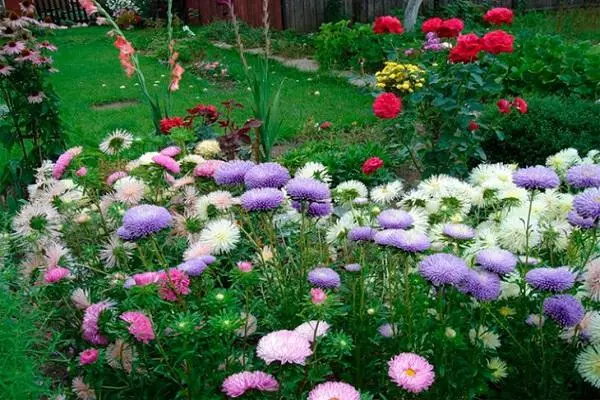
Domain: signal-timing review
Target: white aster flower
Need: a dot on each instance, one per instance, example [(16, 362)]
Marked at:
[(116, 142), (386, 194), (350, 190), (116, 252), (588, 365), (192, 159), (488, 338), (563, 160), (208, 148), (314, 170), (130, 190), (498, 369), (311, 329), (222, 200), (221, 235), (38, 218)]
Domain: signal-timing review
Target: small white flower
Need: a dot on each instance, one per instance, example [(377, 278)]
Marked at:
[(220, 235)]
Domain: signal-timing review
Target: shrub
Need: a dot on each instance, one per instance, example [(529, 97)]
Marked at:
[(552, 123)]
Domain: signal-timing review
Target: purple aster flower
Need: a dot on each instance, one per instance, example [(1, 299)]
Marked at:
[(207, 259), (361, 233), (307, 189), (584, 176), (481, 284), (496, 260), (565, 309), (409, 241), (443, 269), (587, 204), (536, 178), (144, 220), (314, 209), (352, 267), (263, 199), (551, 279), (577, 220), (395, 219), (193, 267), (270, 175), (232, 172), (324, 277), (459, 231)]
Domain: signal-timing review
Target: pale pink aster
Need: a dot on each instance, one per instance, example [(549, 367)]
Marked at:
[(6, 70), (167, 163), (591, 278), (88, 356), (334, 390), (317, 296), (82, 390), (80, 299), (81, 171), (173, 284), (411, 372), (207, 168), (284, 346), (53, 253), (244, 266), (140, 325), (120, 355), (238, 384), (171, 151), (55, 274), (197, 249), (312, 329), (115, 176), (170, 179), (91, 316), (221, 199), (130, 190), (146, 278), (181, 182)]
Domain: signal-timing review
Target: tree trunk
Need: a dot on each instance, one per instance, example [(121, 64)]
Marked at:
[(410, 14)]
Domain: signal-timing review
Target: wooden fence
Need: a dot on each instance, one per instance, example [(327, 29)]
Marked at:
[(59, 11), (308, 15)]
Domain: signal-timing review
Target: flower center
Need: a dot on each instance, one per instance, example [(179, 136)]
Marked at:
[(410, 372)]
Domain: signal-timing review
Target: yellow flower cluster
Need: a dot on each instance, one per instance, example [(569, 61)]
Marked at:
[(403, 78)]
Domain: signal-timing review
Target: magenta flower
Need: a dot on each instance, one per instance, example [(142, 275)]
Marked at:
[(167, 163), (140, 325), (173, 284), (55, 274), (170, 151), (91, 316), (287, 347), (411, 372), (317, 296), (334, 390), (88, 356)]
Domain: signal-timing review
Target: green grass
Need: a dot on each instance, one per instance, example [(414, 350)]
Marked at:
[(90, 74)]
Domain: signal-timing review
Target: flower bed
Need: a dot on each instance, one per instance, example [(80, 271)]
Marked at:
[(172, 275)]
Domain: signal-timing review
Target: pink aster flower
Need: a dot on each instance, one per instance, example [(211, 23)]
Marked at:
[(36, 98), (334, 390), (81, 171), (140, 325), (244, 266), (238, 384), (115, 176), (167, 163), (173, 284), (285, 347), (317, 296), (91, 316), (170, 179), (146, 278), (64, 160), (207, 169), (88, 356), (312, 329), (55, 274), (411, 372), (170, 151)]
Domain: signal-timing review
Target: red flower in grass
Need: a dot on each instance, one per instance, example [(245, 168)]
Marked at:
[(166, 124), (388, 24), (450, 28), (208, 112), (504, 106), (497, 42), (387, 106), (520, 105), (466, 50), (473, 126), (325, 125), (431, 25), (499, 16), (372, 165)]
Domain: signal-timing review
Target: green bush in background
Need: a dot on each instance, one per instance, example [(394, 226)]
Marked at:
[(551, 124)]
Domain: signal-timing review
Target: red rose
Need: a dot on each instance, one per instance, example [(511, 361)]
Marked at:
[(499, 16), (503, 106), (431, 25), (473, 126), (387, 106), (388, 24), (520, 105), (325, 125), (466, 50), (166, 124), (496, 42), (450, 28), (372, 165)]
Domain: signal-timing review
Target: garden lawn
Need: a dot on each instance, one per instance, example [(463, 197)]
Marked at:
[(90, 74)]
